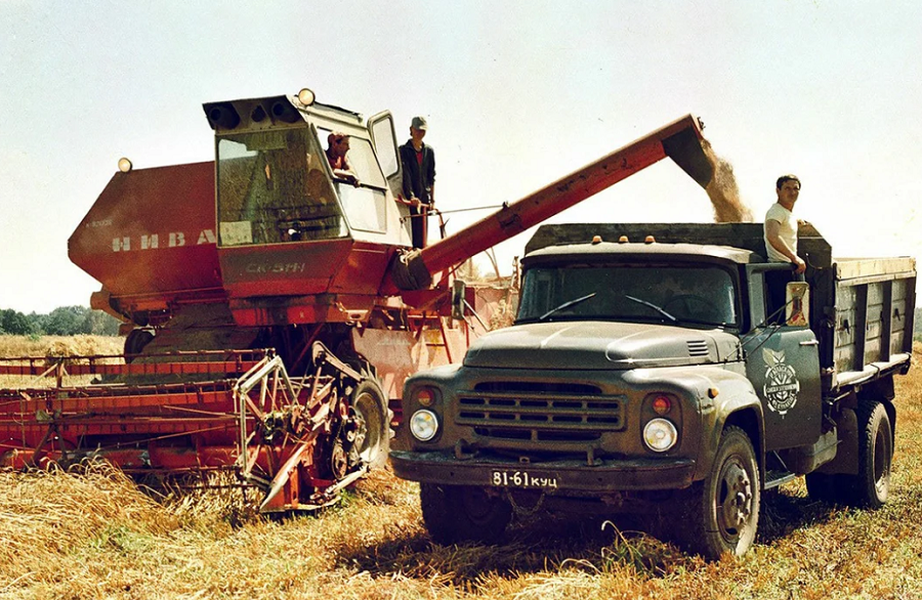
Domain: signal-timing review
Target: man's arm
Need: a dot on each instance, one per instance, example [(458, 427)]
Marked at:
[(773, 235), (430, 176)]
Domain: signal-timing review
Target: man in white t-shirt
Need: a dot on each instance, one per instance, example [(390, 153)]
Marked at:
[(781, 226)]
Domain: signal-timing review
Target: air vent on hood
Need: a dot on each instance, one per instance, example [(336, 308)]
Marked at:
[(697, 347)]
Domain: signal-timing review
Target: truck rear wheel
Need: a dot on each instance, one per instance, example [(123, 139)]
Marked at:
[(871, 486), (455, 513), (724, 508)]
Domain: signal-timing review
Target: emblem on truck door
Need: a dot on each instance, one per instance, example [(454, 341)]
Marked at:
[(781, 384)]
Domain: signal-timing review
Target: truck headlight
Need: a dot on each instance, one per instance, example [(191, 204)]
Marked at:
[(660, 435), (424, 425)]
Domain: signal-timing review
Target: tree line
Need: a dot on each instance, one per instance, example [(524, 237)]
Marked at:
[(64, 320)]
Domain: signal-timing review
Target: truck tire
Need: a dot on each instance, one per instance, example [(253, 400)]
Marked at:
[(370, 405), (871, 486), (723, 510), (454, 513)]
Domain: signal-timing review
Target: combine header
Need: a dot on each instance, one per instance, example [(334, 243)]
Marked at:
[(273, 310)]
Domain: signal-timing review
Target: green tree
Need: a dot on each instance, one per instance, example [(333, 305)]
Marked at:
[(67, 320), (97, 322), (14, 322)]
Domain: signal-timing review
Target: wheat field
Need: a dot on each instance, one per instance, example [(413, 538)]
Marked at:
[(93, 533)]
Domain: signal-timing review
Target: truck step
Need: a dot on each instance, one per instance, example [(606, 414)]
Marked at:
[(775, 478)]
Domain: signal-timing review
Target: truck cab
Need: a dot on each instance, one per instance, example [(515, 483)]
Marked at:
[(640, 376)]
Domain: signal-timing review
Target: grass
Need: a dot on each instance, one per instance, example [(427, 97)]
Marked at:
[(93, 533)]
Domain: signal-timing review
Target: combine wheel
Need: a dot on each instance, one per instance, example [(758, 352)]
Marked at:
[(454, 513), (372, 426), (724, 508), (136, 341), (871, 486)]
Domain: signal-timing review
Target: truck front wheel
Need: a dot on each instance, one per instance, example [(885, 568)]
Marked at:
[(723, 510), (455, 513)]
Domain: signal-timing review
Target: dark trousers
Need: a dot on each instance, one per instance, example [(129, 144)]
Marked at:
[(418, 227)]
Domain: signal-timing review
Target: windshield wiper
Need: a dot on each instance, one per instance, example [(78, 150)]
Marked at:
[(653, 306), (566, 304)]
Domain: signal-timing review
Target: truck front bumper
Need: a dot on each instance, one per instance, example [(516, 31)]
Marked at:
[(608, 476)]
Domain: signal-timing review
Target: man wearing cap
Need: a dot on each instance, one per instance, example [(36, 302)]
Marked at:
[(418, 178)]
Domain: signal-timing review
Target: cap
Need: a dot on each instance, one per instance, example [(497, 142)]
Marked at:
[(419, 123)]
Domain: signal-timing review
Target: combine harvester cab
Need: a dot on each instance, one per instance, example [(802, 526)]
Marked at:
[(273, 306)]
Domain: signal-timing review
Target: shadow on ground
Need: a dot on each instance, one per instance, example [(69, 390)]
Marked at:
[(550, 542), (536, 544)]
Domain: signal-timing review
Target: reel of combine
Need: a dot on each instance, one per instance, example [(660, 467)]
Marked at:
[(303, 440)]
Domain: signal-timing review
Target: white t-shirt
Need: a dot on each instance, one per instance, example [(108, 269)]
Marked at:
[(787, 231)]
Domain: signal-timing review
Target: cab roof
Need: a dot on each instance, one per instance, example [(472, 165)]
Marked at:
[(616, 250)]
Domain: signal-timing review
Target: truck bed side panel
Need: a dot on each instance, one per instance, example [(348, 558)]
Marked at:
[(873, 315)]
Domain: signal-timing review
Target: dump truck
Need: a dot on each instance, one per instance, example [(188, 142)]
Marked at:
[(273, 308), (648, 372)]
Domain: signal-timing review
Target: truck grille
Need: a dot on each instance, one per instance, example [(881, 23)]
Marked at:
[(540, 412)]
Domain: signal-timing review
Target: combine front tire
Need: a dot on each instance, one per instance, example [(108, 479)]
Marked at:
[(724, 508), (455, 513), (373, 424), (135, 342)]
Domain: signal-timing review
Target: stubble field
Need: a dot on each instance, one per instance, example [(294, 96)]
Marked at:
[(96, 534)]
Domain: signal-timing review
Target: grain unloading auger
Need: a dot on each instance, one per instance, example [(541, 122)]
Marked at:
[(266, 248)]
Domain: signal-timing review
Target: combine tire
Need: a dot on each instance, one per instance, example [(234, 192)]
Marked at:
[(723, 510), (454, 513), (370, 406), (135, 342)]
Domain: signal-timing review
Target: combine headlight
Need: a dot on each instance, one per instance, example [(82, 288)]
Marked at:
[(306, 97), (424, 425), (660, 435)]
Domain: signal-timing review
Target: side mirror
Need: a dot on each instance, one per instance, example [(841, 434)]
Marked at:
[(458, 293), (797, 307)]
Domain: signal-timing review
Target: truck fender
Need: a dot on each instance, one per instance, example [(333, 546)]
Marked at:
[(846, 460), (736, 403)]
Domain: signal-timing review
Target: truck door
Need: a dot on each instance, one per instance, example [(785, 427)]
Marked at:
[(782, 362), (381, 129)]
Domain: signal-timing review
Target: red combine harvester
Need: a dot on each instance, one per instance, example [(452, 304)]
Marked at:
[(272, 310)]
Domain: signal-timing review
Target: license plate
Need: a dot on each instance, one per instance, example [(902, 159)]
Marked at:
[(523, 479)]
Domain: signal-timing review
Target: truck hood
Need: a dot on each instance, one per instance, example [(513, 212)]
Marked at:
[(599, 345)]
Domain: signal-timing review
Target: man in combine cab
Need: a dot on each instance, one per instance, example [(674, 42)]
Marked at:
[(336, 153), (418, 178), (781, 238)]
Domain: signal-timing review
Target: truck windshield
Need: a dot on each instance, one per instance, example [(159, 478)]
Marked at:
[(273, 188), (670, 294)]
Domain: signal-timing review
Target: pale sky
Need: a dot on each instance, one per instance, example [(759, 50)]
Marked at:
[(517, 94)]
